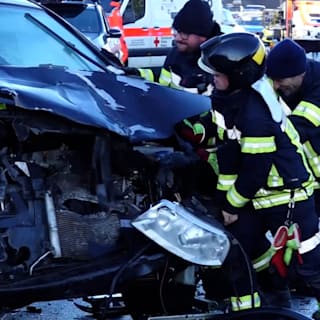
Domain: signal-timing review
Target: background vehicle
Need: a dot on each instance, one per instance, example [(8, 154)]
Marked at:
[(253, 25), (302, 23), (90, 18), (236, 9), (229, 23), (255, 7)]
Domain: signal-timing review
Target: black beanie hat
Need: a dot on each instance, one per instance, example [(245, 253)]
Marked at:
[(195, 17), (286, 59)]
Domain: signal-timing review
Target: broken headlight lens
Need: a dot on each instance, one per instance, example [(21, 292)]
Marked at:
[(179, 231)]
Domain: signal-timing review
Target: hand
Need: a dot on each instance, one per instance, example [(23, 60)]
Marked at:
[(229, 218)]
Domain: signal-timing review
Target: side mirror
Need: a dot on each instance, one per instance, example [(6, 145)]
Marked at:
[(114, 33)]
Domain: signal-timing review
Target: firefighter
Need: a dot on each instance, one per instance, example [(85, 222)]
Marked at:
[(192, 25), (264, 182), (296, 79), (180, 69)]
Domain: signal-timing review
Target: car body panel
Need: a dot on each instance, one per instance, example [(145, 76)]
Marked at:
[(94, 93), (79, 159), (126, 105)]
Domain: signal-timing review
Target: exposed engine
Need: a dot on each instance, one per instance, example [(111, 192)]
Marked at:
[(63, 194)]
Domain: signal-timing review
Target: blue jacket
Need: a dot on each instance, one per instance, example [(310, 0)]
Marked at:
[(259, 159), (305, 106)]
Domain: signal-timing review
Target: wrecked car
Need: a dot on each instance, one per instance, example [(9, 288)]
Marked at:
[(78, 143), (96, 191)]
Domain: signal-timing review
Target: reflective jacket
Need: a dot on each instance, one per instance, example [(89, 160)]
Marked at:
[(181, 70), (258, 154), (305, 106)]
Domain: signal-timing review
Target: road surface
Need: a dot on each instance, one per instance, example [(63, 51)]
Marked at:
[(66, 310)]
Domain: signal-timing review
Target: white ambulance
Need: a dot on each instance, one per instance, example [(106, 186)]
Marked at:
[(147, 28)]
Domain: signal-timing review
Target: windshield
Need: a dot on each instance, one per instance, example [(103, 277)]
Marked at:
[(24, 42), (85, 19)]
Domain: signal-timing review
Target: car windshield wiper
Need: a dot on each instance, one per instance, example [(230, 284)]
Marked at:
[(65, 42)]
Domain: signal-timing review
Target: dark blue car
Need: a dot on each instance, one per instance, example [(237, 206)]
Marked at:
[(81, 146)]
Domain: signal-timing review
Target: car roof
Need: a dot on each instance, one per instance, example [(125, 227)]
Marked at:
[(19, 2), (67, 4), (35, 3)]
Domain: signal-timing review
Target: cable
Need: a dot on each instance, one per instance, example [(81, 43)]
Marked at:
[(119, 273), (235, 241), (161, 287)]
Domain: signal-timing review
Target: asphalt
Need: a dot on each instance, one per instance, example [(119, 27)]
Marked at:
[(66, 310)]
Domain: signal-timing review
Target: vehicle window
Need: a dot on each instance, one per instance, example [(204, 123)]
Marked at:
[(29, 44), (134, 11), (85, 19)]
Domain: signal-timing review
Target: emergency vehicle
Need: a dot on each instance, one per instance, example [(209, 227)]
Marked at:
[(302, 18), (147, 28)]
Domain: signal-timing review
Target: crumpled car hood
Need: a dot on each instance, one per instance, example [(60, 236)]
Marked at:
[(129, 106)]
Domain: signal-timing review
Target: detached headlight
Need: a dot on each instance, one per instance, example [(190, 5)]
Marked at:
[(179, 231)]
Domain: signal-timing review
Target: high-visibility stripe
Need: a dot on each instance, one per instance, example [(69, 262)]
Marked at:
[(274, 180), (147, 74), (263, 262), (225, 181), (280, 198), (245, 302), (309, 244), (218, 119), (175, 80), (309, 111), (258, 145), (313, 158), (165, 77), (235, 198), (316, 185), (293, 134), (151, 32), (3, 106)]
